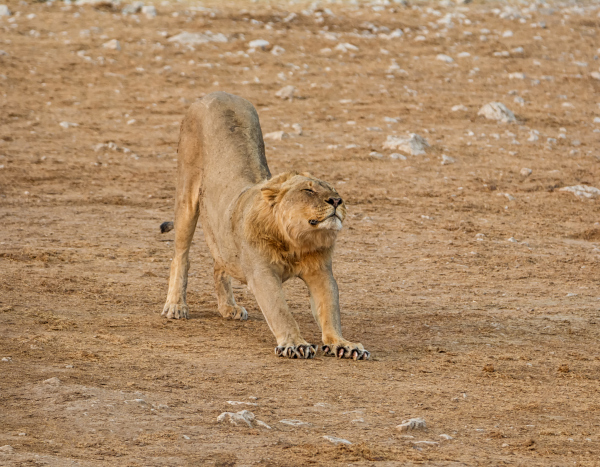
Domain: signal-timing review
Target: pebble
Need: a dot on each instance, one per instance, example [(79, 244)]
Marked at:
[(376, 154), (6, 448), (456, 108), (244, 417), (413, 144), (582, 191), (526, 172), (52, 381), (446, 437), (258, 44), (533, 136), (240, 403), (519, 100), (334, 440), (293, 422), (595, 75), (512, 240), (497, 111), (112, 44), (444, 58), (397, 155), (287, 92), (297, 129), (192, 38), (596, 119), (6, 359), (263, 424), (276, 135), (4, 11), (345, 47), (516, 75), (149, 11), (447, 160), (132, 9), (277, 50), (67, 125), (430, 443), (412, 424), (507, 34)]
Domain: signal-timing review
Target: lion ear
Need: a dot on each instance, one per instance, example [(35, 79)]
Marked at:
[(269, 194)]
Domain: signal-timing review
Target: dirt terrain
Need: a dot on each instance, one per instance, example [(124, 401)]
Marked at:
[(474, 284)]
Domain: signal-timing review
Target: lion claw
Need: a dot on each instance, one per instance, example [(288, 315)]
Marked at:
[(341, 351), (175, 311), (300, 351)]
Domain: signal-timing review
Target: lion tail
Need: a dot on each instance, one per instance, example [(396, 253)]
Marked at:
[(166, 227)]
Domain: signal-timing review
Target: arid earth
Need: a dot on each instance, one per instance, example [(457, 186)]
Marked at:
[(474, 284)]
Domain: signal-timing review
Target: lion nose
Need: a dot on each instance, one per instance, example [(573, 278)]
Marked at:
[(335, 202)]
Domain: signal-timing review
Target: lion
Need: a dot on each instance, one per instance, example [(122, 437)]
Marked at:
[(261, 230)]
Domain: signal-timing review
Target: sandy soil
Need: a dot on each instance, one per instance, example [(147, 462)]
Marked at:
[(493, 342)]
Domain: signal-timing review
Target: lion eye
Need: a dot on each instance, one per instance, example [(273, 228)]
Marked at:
[(309, 191)]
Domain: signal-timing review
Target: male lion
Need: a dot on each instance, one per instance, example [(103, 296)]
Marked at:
[(260, 230)]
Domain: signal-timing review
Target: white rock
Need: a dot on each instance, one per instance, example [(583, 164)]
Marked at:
[(447, 160), (6, 359), (519, 100), (413, 144), (518, 50), (192, 38), (345, 47), (507, 195), (516, 75), (263, 424), (456, 108), (507, 34), (132, 9), (258, 44), (444, 58), (240, 403), (463, 55), (297, 129), (430, 443), (397, 155), (67, 125), (290, 17), (582, 191), (526, 172), (277, 50), (293, 422), (52, 381), (4, 11), (276, 135), (287, 92), (112, 44), (412, 424), (149, 11), (533, 136), (595, 75), (376, 154), (334, 440), (497, 111), (512, 240), (6, 449), (241, 418), (596, 119)]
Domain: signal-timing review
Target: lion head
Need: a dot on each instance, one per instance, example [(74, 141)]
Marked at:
[(298, 214)]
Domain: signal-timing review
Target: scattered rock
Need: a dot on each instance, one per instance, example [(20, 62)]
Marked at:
[(244, 417), (397, 155), (6, 359), (132, 9), (582, 191), (287, 92), (444, 58), (67, 125), (241, 403), (447, 160), (334, 440), (458, 107), (595, 75), (293, 422), (52, 381), (4, 11), (277, 50), (512, 240), (376, 154), (497, 111), (297, 129), (345, 47), (429, 443), (149, 11), (6, 449), (258, 44), (446, 437), (276, 135), (526, 172), (413, 144), (263, 424), (412, 424), (516, 75), (192, 38), (533, 136), (112, 44)]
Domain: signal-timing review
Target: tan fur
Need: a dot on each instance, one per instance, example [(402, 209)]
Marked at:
[(260, 230)]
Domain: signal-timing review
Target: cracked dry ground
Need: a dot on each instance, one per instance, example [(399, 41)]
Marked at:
[(492, 342)]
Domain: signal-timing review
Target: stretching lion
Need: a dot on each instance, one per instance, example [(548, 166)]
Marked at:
[(261, 230)]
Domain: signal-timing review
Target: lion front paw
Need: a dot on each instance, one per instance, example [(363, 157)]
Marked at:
[(234, 312), (175, 311), (346, 350), (296, 351)]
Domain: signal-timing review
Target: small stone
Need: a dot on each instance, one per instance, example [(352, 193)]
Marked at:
[(525, 172), (263, 424), (258, 44), (6, 359), (297, 129), (575, 142), (276, 135), (113, 44), (397, 155), (533, 136), (277, 50), (596, 119), (444, 58), (519, 100), (463, 55), (582, 191), (447, 160), (185, 437), (132, 9), (345, 47), (241, 418), (334, 440), (413, 144), (512, 240), (479, 237), (516, 75), (461, 107), (412, 424), (4, 11), (67, 125), (149, 11), (241, 403), (376, 154), (6, 449), (287, 92), (293, 422), (507, 34), (52, 381), (497, 111), (191, 39), (595, 75)]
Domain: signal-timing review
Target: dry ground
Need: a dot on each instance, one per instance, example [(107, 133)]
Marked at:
[(491, 341)]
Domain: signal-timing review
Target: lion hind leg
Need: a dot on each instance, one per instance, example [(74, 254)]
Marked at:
[(228, 308)]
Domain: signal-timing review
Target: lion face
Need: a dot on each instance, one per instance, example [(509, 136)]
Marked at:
[(308, 210)]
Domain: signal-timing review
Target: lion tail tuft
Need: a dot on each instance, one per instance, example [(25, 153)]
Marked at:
[(166, 227)]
